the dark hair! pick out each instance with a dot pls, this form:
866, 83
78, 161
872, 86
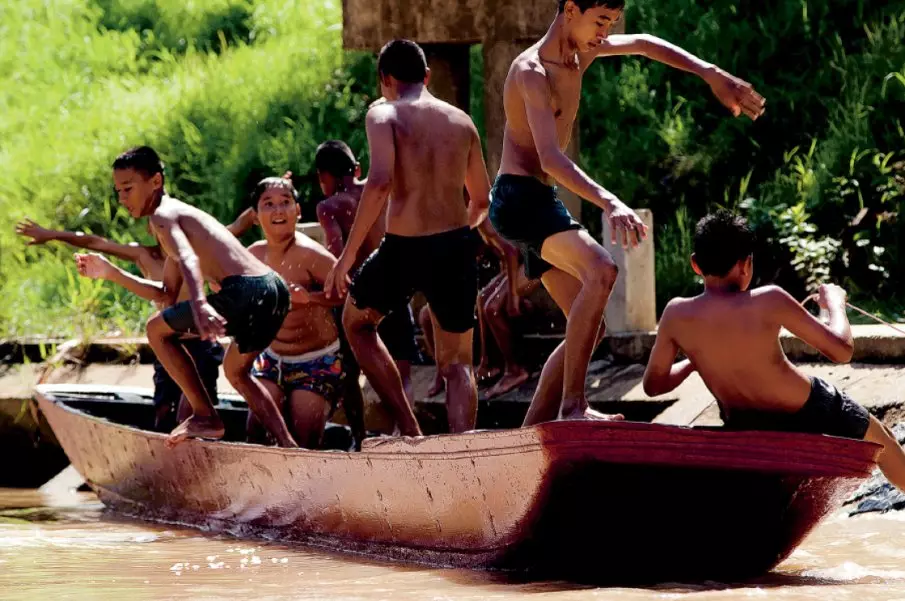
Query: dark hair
336, 158
404, 60
584, 5
140, 158
721, 240
269, 182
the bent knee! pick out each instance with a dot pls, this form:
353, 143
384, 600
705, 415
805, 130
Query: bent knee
157, 326
454, 369
601, 274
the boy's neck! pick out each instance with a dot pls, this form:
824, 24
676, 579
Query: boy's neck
280, 245
410, 91
349, 184
555, 47
155, 202
715, 285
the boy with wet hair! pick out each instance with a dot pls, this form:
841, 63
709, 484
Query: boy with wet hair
249, 307
302, 368
730, 336
339, 174
422, 152
541, 97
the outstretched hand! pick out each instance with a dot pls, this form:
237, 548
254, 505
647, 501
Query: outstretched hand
30, 229
210, 324
736, 94
626, 227
299, 295
93, 265
337, 283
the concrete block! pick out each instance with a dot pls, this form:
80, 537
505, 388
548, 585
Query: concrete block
633, 303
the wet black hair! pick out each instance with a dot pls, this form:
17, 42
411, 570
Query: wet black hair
336, 158
267, 182
721, 240
404, 60
584, 5
141, 158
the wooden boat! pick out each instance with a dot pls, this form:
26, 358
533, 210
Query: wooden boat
588, 501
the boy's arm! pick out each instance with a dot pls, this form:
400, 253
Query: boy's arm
536, 93
40, 235
382, 151
477, 183
244, 222
737, 95
333, 233
662, 373
210, 324
321, 263
834, 340
95, 266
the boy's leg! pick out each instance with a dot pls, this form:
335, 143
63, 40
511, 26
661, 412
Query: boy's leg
892, 458
514, 375
255, 431
377, 364
308, 413
545, 405
238, 371
485, 371
453, 352
576, 253
427, 326
204, 421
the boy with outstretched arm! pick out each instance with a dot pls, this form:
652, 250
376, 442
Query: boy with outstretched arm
730, 336
540, 98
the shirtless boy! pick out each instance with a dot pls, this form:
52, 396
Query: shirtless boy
168, 398
249, 307
541, 98
302, 368
422, 152
338, 173
730, 336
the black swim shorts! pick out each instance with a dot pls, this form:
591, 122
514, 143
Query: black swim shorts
526, 212
827, 411
254, 308
441, 266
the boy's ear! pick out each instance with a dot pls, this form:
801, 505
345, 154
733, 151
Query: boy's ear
157, 180
694, 265
357, 171
427, 76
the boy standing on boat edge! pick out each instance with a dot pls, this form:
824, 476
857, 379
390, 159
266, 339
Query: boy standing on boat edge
541, 97
730, 335
249, 307
422, 151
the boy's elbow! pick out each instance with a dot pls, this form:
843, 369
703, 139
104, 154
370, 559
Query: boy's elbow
550, 161
650, 386
844, 351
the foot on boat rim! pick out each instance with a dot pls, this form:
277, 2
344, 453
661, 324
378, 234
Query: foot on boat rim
589, 414
196, 426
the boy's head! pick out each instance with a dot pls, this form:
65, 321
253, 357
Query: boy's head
588, 22
724, 248
334, 162
275, 202
401, 63
138, 179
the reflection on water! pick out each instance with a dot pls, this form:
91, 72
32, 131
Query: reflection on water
68, 548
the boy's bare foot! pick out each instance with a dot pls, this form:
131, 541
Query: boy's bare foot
508, 382
438, 386
585, 413
485, 372
197, 427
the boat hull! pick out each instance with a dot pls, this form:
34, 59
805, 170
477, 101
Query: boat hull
600, 502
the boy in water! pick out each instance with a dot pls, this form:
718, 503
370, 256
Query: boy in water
730, 335
169, 404
249, 307
541, 98
422, 151
338, 173
302, 367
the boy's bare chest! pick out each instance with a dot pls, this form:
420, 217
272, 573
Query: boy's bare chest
565, 88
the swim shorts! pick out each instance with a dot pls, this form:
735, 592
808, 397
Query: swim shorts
827, 411
254, 308
321, 372
441, 266
526, 211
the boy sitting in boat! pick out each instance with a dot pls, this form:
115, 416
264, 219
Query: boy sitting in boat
302, 368
249, 307
730, 335
169, 402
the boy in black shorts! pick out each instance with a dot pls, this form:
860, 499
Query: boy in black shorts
422, 151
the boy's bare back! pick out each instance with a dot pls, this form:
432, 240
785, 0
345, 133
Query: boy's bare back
220, 254
431, 143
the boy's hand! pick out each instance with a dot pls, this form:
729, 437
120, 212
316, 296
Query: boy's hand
476, 215
93, 265
626, 223
210, 324
337, 283
736, 94
298, 295
831, 295
30, 229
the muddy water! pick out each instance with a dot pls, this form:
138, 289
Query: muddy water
68, 548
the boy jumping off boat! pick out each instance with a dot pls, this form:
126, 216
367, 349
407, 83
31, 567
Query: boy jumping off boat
422, 151
730, 336
541, 98
249, 307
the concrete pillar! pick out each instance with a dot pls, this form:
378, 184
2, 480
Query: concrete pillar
450, 72
633, 303
313, 230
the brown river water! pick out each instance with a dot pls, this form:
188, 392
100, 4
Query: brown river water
69, 548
